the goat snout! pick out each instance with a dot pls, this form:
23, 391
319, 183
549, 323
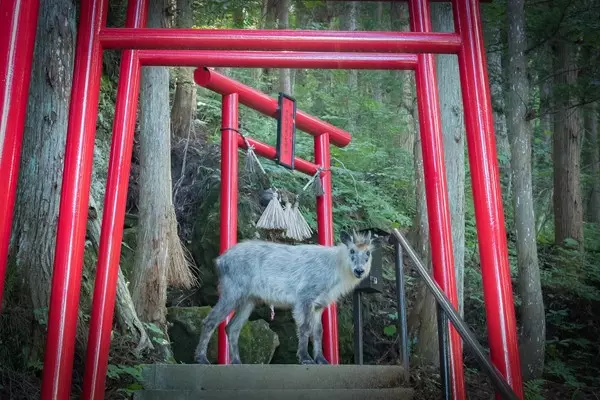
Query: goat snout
358, 272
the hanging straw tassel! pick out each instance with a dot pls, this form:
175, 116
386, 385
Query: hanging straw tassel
274, 216
301, 229
290, 220
252, 162
316, 183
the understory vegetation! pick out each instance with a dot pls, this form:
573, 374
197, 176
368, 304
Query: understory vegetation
376, 185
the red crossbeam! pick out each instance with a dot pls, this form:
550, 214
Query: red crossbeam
272, 59
290, 40
267, 105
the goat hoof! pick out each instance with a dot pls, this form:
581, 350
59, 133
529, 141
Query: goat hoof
307, 361
321, 360
201, 359
236, 361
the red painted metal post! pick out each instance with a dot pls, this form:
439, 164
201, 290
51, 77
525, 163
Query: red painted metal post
17, 39
281, 39
487, 196
70, 241
105, 287
229, 195
273, 59
325, 236
436, 188
267, 105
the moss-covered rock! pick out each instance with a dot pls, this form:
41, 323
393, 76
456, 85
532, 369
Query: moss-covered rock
257, 341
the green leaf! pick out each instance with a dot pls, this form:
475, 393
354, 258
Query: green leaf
390, 330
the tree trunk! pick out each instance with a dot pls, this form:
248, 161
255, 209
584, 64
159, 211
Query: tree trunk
454, 142
591, 128
351, 24
568, 210
125, 313
43, 152
183, 111
283, 22
378, 87
496, 71
160, 259
269, 14
533, 326
423, 317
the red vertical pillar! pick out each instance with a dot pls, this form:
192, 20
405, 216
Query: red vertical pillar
229, 195
105, 287
17, 39
487, 196
325, 236
70, 240
438, 209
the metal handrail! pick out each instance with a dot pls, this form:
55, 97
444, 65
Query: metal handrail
460, 325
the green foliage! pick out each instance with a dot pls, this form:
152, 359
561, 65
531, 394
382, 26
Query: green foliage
390, 330
533, 389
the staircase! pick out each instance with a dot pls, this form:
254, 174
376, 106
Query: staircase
263, 382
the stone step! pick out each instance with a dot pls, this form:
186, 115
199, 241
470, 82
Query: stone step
275, 394
195, 377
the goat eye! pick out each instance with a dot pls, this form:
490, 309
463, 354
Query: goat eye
368, 253
351, 251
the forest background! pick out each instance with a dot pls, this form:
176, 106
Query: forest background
544, 75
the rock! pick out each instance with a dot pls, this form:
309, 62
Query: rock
257, 341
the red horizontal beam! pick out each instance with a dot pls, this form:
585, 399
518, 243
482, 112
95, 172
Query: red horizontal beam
267, 105
290, 40
272, 59
269, 152
404, 1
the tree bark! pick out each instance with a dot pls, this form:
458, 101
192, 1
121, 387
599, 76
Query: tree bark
454, 142
283, 22
351, 24
125, 313
378, 87
160, 259
568, 210
496, 72
422, 319
183, 111
41, 169
533, 325
591, 128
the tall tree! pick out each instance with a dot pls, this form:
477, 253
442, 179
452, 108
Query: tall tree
496, 67
160, 259
591, 129
351, 24
533, 332
424, 315
568, 208
40, 177
422, 319
283, 22
454, 141
183, 111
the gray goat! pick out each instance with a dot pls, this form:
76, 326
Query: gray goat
305, 278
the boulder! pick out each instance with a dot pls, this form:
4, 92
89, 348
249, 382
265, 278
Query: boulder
257, 341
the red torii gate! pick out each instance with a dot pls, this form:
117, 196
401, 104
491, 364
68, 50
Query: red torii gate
210, 47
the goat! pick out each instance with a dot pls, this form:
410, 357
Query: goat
305, 278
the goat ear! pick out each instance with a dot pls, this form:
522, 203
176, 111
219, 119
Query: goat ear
346, 238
